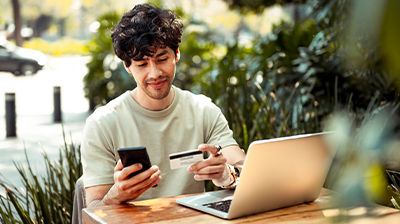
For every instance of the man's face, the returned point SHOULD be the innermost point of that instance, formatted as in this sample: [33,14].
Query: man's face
[154,75]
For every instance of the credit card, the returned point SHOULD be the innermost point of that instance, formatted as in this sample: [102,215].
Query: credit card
[185,159]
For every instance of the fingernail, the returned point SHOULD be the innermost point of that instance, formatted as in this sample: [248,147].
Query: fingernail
[190,169]
[155,168]
[202,146]
[196,176]
[139,165]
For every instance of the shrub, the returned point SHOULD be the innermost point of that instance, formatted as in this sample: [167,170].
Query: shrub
[106,77]
[47,198]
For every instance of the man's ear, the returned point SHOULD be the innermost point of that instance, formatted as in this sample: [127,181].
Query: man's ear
[126,68]
[178,55]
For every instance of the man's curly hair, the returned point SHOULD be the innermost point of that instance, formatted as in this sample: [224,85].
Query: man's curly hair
[143,30]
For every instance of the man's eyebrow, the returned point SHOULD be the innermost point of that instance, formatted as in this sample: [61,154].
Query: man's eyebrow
[162,53]
[142,59]
[158,55]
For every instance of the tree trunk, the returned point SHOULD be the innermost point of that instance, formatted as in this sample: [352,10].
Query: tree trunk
[17,22]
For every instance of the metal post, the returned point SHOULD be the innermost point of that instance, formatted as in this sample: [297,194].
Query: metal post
[91,105]
[57,104]
[11,121]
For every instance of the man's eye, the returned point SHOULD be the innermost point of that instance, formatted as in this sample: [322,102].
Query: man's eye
[164,59]
[142,65]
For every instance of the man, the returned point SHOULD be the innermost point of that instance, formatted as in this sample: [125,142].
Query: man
[157,115]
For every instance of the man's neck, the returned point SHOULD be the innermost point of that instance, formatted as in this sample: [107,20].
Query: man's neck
[152,104]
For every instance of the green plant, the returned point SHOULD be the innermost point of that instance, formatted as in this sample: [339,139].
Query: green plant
[44,199]
[196,52]
[106,78]
[257,90]
[394,188]
[363,152]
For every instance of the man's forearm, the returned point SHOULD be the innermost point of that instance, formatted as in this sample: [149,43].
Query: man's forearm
[96,203]
[106,200]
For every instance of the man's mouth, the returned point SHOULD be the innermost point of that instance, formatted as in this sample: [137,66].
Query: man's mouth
[157,85]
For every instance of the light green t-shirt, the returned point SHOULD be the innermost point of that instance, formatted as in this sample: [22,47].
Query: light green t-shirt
[189,121]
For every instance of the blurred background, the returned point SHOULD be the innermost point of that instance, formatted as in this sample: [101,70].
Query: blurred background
[274,67]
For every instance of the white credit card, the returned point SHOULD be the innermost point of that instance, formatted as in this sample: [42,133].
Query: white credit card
[185,159]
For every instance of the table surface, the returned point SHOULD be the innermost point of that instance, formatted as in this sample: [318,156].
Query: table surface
[166,210]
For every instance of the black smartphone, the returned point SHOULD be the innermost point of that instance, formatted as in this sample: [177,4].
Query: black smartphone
[132,155]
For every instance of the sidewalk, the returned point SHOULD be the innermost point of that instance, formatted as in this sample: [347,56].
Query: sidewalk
[34,108]
[35,134]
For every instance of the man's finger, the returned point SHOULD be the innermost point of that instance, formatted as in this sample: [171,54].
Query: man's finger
[205,163]
[119,166]
[208,176]
[147,182]
[210,148]
[126,171]
[211,169]
[145,174]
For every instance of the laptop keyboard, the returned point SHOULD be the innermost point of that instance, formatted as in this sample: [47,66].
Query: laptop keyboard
[220,205]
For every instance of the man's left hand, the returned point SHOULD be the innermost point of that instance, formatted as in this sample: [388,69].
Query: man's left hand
[214,168]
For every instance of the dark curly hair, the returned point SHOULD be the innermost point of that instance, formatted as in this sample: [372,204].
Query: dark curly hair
[144,29]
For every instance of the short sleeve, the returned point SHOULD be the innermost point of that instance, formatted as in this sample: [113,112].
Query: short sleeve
[98,159]
[218,131]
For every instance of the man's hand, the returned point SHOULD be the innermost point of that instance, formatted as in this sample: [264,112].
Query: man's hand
[132,188]
[214,168]
[124,188]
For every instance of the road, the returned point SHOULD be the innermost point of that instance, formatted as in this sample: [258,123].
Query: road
[34,108]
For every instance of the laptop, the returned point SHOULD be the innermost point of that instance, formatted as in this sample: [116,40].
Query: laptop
[277,173]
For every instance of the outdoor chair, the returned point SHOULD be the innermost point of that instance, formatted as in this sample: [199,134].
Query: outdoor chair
[79,201]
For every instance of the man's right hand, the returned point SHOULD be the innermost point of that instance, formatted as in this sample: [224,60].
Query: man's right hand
[124,188]
[132,188]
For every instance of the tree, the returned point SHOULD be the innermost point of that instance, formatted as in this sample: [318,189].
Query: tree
[17,22]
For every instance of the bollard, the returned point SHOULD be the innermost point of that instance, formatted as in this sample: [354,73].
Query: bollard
[11,120]
[91,105]
[57,104]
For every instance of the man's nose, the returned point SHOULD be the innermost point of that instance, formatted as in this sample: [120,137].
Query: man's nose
[155,71]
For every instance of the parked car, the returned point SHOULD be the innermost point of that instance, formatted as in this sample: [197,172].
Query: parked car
[20,61]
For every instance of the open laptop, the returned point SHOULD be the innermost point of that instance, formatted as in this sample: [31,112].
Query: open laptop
[277,173]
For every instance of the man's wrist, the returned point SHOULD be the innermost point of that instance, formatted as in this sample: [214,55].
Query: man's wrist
[232,175]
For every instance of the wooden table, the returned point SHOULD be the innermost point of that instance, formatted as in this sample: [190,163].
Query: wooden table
[166,210]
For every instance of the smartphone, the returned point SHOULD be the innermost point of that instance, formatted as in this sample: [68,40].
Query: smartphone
[132,155]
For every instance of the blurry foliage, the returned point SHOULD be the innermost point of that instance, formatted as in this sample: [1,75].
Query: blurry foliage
[367,82]
[44,198]
[106,77]
[196,52]
[356,61]
[390,36]
[61,47]
[394,187]
[257,6]
[363,152]
[247,84]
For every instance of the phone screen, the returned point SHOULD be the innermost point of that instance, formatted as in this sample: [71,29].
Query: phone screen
[132,155]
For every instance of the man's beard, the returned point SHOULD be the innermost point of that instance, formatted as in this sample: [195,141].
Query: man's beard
[158,94]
